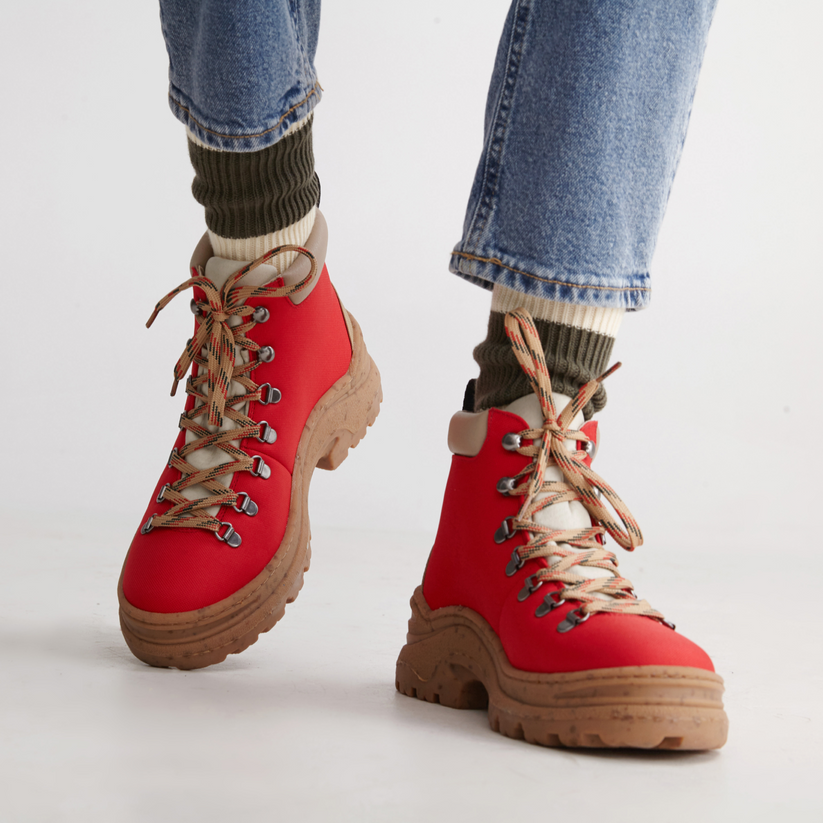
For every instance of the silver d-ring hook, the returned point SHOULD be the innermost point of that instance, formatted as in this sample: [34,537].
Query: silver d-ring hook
[267,433]
[230,537]
[269,394]
[515,564]
[504,532]
[511,441]
[248,506]
[259,468]
[505,485]
[549,604]
[529,587]
[590,447]
[573,618]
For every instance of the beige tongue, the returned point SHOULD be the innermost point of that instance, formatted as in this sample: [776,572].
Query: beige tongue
[560,515]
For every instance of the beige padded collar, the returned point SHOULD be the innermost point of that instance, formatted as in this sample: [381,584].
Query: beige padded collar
[219,269]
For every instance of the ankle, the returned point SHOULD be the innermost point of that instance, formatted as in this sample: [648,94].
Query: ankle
[577,342]
[255,201]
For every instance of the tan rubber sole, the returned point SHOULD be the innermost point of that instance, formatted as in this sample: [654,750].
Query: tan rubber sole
[192,640]
[453,657]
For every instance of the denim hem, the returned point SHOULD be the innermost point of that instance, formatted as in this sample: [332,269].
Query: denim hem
[221,137]
[631,292]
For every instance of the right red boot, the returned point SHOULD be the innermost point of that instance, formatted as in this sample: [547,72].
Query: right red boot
[522,610]
[280,382]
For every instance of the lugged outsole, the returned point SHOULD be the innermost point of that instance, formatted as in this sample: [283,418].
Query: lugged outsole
[192,640]
[454,658]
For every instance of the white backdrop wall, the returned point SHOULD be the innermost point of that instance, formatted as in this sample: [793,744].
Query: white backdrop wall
[712,423]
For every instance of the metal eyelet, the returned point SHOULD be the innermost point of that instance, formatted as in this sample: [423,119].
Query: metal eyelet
[268,394]
[668,624]
[266,354]
[267,433]
[230,537]
[260,314]
[511,441]
[195,309]
[259,469]
[529,587]
[573,618]
[505,485]
[162,492]
[504,532]
[172,454]
[248,506]
[548,605]
[147,526]
[590,447]
[515,564]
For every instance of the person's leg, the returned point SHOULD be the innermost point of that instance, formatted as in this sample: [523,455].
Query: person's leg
[277,376]
[242,80]
[585,121]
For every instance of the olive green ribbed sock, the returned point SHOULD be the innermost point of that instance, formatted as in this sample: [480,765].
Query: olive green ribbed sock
[257,200]
[577,341]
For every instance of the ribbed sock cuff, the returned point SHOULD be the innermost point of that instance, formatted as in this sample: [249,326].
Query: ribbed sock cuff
[252,194]
[250,248]
[577,341]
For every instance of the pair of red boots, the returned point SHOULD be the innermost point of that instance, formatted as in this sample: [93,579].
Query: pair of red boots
[521,611]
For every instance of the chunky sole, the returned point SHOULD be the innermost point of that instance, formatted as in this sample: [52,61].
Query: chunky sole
[192,640]
[453,657]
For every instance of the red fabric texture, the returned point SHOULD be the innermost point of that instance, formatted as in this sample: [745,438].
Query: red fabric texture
[467,568]
[177,570]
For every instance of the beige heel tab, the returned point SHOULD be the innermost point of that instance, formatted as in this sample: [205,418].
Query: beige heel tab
[317,244]
[467,432]
[202,253]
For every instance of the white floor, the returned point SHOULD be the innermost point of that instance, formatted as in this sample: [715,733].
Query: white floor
[307,725]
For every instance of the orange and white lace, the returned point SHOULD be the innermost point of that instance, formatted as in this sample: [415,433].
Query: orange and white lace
[566,549]
[215,373]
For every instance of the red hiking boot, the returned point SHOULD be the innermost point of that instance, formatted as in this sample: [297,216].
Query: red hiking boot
[280,382]
[522,609]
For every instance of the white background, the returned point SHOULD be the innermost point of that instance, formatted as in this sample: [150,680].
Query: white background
[711,433]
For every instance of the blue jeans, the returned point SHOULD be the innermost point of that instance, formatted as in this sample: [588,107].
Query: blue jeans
[585,121]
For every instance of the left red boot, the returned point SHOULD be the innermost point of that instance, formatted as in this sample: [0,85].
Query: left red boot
[522,609]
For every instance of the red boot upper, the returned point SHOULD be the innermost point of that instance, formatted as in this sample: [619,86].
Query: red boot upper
[468,568]
[183,569]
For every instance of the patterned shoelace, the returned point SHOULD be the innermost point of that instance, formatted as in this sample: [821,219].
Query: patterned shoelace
[548,448]
[215,373]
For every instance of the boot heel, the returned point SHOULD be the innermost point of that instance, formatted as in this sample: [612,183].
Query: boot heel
[433,666]
[449,684]
[359,412]
[345,421]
